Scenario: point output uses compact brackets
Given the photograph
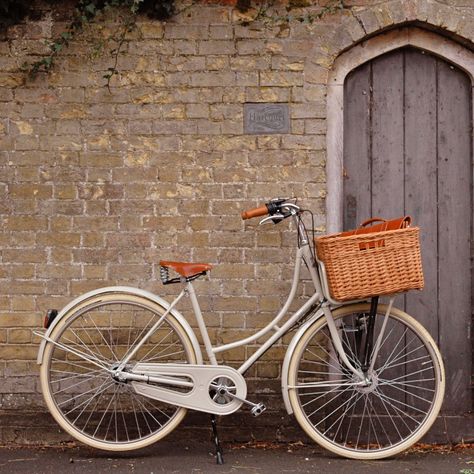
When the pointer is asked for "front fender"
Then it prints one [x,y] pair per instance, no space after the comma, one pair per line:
[288,355]
[131,291]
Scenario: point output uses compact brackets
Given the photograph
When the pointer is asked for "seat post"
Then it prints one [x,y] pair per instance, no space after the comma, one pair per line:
[201,323]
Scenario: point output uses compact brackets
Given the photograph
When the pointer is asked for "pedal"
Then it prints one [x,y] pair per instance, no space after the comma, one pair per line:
[258,409]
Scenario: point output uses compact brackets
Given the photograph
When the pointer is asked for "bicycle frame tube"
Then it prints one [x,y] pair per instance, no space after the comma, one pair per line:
[149,333]
[271,326]
[273,323]
[303,254]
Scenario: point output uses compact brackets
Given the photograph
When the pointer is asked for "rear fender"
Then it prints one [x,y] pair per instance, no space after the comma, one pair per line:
[82,300]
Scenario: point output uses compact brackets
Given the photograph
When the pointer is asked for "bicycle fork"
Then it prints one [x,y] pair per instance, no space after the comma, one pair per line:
[362,375]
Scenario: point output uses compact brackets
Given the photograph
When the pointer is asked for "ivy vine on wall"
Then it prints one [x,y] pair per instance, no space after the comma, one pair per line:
[86,12]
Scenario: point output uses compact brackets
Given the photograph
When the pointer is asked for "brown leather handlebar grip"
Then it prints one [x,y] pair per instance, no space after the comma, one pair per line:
[258,211]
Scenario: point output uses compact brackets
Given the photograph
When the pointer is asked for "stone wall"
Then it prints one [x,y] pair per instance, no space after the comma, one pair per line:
[96,186]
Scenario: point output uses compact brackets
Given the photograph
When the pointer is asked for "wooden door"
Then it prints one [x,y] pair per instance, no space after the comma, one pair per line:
[407,150]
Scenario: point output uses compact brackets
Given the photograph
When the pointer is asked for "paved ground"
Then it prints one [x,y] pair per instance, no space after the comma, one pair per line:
[260,458]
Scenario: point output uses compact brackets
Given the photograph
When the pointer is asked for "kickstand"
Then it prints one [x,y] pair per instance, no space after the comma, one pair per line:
[219,457]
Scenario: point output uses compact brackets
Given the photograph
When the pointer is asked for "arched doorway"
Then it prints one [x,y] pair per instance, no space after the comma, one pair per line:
[406,147]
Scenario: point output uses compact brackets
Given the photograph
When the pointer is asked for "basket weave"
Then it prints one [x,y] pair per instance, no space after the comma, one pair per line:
[364,265]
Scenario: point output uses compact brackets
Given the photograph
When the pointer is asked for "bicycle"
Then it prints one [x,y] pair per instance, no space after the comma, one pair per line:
[120,366]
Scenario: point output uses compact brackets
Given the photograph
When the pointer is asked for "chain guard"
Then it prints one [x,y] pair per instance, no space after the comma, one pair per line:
[198,396]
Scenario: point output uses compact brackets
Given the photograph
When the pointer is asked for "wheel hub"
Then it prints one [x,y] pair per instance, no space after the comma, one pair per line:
[118,376]
[371,384]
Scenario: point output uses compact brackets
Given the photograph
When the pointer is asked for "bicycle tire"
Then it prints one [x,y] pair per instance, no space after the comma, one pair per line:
[387,416]
[84,399]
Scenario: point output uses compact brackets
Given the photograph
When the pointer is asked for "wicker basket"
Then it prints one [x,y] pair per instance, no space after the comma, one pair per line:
[379,263]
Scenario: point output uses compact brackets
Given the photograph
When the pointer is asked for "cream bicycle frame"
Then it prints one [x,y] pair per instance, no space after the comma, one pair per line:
[318,298]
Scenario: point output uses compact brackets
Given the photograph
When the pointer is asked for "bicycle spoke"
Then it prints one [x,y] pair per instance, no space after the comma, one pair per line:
[391,382]
[394,400]
[323,394]
[346,407]
[143,359]
[80,382]
[325,404]
[69,387]
[379,415]
[411,394]
[323,360]
[105,340]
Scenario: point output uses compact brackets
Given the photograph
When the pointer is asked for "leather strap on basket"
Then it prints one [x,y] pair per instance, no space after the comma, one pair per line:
[382,226]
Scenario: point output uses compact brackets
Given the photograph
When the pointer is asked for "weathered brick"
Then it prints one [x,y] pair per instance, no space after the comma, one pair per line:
[59,239]
[216,47]
[100,159]
[213,79]
[25,255]
[90,272]
[22,223]
[19,319]
[197,110]
[251,46]
[23,287]
[19,336]
[267,94]
[22,271]
[217,63]
[176,31]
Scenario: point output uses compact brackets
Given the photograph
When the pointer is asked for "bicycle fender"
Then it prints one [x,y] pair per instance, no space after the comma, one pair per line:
[80,300]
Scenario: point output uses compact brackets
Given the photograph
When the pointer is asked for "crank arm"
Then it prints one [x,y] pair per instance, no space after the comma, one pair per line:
[241,400]
[256,408]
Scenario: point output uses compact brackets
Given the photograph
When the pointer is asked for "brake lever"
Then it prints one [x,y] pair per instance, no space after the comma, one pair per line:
[276,218]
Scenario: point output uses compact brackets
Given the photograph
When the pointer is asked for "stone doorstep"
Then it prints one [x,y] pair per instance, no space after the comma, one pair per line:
[38,428]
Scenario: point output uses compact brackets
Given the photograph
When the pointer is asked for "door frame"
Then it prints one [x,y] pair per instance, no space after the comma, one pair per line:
[359,54]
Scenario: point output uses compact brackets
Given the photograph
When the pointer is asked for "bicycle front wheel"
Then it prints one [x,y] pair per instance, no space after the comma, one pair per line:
[386,414]
[76,373]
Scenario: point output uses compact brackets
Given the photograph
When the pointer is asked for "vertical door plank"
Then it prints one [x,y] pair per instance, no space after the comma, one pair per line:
[388,155]
[357,147]
[421,178]
[387,135]
[421,185]
[454,227]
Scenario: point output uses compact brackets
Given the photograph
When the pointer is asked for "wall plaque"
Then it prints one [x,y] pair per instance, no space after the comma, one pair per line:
[264,119]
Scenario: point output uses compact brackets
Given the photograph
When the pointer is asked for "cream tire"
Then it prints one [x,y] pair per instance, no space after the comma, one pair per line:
[348,451]
[45,372]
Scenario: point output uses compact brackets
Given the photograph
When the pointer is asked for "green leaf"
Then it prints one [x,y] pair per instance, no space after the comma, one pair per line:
[90,8]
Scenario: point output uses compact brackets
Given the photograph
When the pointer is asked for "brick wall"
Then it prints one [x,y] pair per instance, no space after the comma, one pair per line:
[97,186]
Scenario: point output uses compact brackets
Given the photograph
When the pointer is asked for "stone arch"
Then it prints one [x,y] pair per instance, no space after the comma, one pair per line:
[352,58]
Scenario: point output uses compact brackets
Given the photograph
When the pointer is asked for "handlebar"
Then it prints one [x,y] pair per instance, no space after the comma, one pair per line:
[256,212]
[278,207]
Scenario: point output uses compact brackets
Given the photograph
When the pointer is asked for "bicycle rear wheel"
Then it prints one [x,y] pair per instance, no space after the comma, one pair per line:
[78,386]
[385,415]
